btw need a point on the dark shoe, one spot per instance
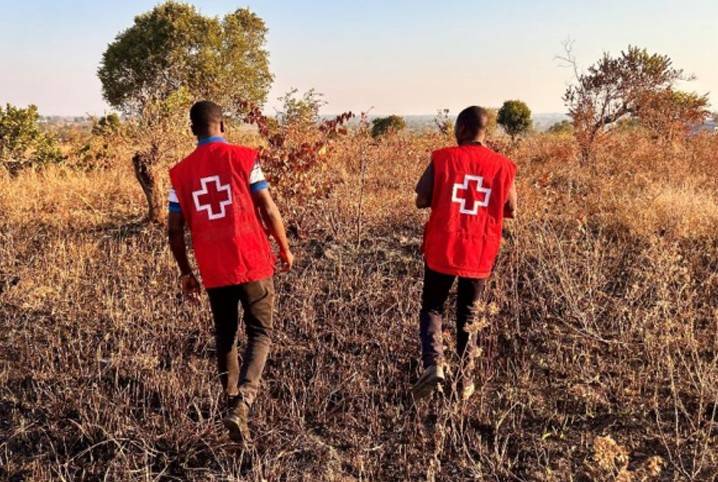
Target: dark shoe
(432, 376)
(237, 421)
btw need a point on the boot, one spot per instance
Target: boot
(237, 421)
(433, 375)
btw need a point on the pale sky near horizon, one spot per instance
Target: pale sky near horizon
(404, 57)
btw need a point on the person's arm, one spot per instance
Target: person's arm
(175, 229)
(424, 188)
(511, 207)
(272, 219)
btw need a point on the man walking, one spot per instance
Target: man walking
(470, 189)
(220, 192)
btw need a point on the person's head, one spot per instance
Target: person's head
(206, 118)
(471, 124)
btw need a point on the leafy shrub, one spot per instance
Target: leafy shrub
(561, 127)
(670, 113)
(107, 124)
(387, 125)
(108, 141)
(22, 141)
(300, 112)
(295, 145)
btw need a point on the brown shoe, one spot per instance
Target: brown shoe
(433, 375)
(237, 421)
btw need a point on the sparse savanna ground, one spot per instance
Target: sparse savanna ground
(600, 341)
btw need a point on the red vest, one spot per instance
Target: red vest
(212, 186)
(471, 186)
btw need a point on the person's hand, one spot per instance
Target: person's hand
(190, 287)
(287, 260)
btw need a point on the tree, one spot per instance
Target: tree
(670, 114)
(303, 111)
(173, 46)
(515, 117)
(22, 141)
(614, 88)
(171, 56)
(386, 125)
(443, 122)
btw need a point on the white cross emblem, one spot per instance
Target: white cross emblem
(465, 187)
(217, 188)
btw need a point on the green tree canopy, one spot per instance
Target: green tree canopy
(385, 125)
(515, 117)
(174, 47)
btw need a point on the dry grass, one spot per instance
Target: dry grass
(601, 351)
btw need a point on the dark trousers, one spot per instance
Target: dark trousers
(433, 298)
(257, 299)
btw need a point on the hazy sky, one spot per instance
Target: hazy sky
(406, 57)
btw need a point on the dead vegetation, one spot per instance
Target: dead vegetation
(600, 347)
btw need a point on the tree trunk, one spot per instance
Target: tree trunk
(586, 144)
(143, 163)
(586, 153)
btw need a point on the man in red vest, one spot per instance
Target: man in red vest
(220, 192)
(470, 189)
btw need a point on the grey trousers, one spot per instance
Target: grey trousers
(257, 299)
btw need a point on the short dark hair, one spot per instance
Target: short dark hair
(204, 113)
(471, 121)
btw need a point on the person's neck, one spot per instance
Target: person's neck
(479, 141)
(208, 135)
